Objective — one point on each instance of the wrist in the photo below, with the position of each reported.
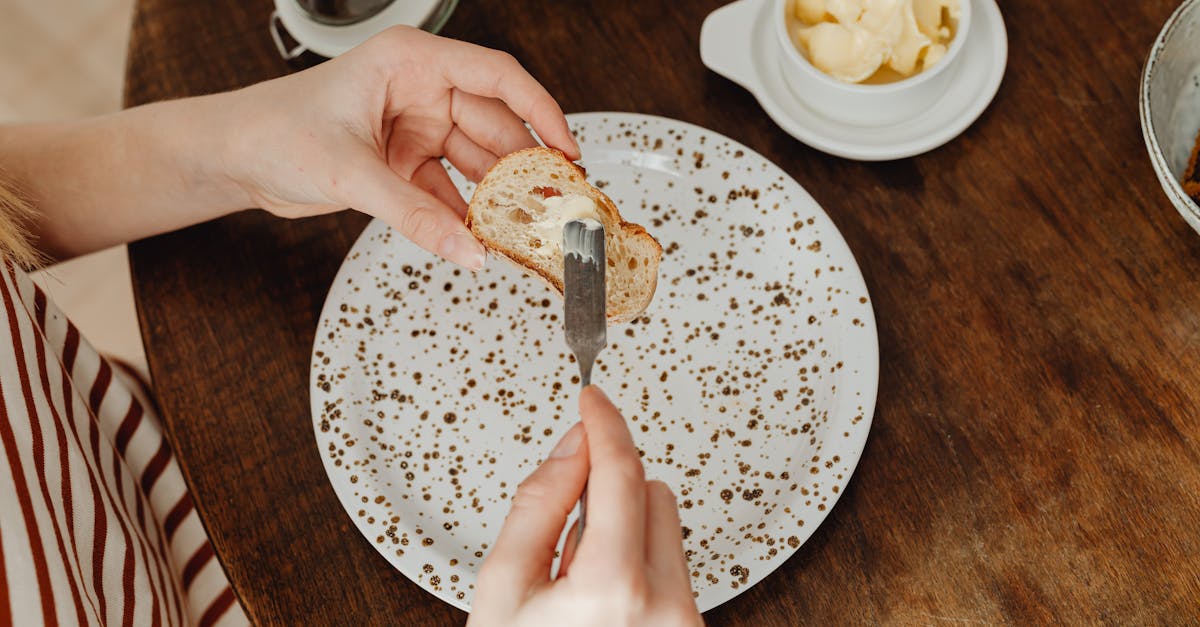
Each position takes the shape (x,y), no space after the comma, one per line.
(204,135)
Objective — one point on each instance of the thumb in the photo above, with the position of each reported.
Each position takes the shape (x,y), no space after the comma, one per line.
(525,548)
(421,217)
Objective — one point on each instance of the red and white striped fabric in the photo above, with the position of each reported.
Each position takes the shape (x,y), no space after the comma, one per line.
(96,523)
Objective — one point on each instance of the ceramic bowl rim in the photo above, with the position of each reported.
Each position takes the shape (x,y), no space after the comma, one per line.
(1170,185)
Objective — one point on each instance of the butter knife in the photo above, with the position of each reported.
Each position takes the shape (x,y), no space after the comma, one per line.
(584,305)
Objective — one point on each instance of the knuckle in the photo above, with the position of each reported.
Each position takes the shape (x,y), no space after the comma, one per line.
(629,594)
(394,36)
(630,471)
(629,582)
(584,602)
(507,67)
(476,171)
(625,591)
(661,491)
(506,59)
(494,577)
(532,492)
(419,222)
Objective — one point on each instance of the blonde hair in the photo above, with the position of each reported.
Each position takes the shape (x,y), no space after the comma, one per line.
(15,215)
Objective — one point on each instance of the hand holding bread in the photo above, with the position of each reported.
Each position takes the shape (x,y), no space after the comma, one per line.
(370,129)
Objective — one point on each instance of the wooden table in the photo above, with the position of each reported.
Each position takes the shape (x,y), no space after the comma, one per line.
(1035,454)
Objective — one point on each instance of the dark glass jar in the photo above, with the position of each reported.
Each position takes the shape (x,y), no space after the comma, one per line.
(341,12)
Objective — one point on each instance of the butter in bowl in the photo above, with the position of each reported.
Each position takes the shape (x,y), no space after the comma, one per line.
(878,42)
(871,62)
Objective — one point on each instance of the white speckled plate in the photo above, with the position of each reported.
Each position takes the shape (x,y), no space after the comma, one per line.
(749,383)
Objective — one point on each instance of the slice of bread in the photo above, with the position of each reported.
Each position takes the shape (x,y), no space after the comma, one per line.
(507,209)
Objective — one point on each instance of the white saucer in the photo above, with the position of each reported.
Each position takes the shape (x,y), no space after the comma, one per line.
(737,42)
(330,41)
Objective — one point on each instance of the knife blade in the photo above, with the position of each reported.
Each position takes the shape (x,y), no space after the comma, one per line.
(583,293)
(584,306)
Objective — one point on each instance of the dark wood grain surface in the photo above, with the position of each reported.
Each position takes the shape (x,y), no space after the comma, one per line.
(1035,455)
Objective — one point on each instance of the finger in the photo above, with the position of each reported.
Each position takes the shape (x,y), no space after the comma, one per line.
(616,505)
(664,537)
(470,159)
(433,178)
(525,548)
(570,546)
(490,123)
(494,74)
(373,188)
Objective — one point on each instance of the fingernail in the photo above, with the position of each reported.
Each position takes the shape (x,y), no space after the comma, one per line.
(463,249)
(569,444)
(595,389)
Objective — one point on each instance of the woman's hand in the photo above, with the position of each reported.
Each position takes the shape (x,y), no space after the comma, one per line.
(628,569)
(364,130)
(367,129)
